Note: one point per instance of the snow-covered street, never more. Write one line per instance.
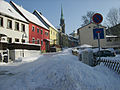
(56, 71)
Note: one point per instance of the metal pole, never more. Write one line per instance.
(98, 42)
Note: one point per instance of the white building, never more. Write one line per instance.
(14, 29)
(86, 35)
(12, 24)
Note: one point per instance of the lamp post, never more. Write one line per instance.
(24, 35)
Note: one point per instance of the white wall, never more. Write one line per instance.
(17, 53)
(86, 36)
(12, 33)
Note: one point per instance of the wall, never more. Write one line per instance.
(12, 33)
(17, 53)
(37, 35)
(86, 36)
(54, 36)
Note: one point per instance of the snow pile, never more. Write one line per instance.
(86, 46)
(61, 71)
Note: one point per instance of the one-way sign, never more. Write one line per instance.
(100, 31)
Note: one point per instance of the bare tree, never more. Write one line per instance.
(87, 18)
(113, 17)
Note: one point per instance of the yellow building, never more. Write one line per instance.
(54, 36)
(54, 33)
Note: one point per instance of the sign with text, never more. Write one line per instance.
(99, 31)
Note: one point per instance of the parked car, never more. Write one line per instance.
(104, 53)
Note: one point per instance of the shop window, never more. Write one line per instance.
(16, 40)
(33, 40)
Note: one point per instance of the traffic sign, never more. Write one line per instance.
(97, 18)
(99, 31)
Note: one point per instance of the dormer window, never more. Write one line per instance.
(10, 10)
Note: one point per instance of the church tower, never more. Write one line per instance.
(62, 23)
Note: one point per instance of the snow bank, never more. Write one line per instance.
(60, 71)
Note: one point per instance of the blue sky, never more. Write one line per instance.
(73, 10)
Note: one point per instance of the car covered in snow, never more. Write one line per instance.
(104, 53)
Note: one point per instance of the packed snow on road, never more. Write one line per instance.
(56, 71)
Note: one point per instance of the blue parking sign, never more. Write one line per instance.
(100, 31)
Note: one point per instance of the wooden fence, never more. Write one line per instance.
(112, 64)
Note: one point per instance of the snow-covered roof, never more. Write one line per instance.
(111, 36)
(8, 10)
(46, 20)
(31, 17)
(85, 46)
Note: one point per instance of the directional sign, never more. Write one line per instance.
(99, 31)
(97, 18)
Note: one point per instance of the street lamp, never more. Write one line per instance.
(24, 35)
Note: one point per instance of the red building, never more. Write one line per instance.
(38, 32)
(39, 35)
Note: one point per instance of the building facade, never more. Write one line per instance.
(86, 35)
(38, 32)
(73, 39)
(12, 25)
(14, 31)
(113, 37)
(54, 34)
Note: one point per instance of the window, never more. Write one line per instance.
(89, 27)
(41, 31)
(33, 40)
(46, 33)
(1, 21)
(22, 27)
(41, 42)
(38, 41)
(51, 31)
(9, 40)
(37, 30)
(16, 40)
(33, 28)
(16, 26)
(23, 41)
(108, 39)
(9, 24)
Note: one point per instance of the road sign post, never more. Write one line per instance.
(97, 18)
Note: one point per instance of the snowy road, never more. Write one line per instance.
(56, 71)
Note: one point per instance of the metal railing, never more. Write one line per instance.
(112, 64)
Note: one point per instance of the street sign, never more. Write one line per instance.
(99, 31)
(97, 18)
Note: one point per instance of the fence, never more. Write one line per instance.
(112, 64)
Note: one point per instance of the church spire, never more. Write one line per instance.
(62, 12)
(62, 23)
